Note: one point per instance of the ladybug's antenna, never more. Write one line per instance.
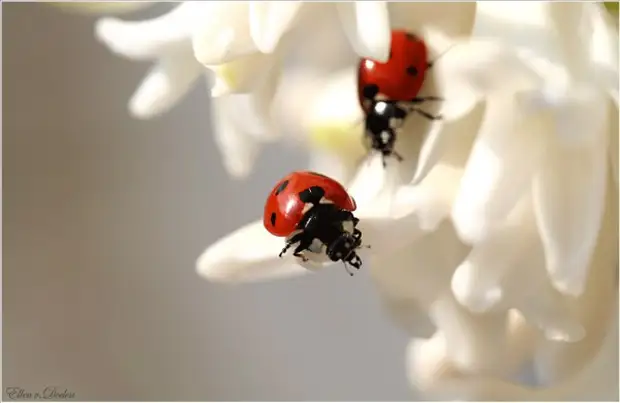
(429, 65)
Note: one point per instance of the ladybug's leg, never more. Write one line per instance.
(428, 115)
(355, 261)
(304, 244)
(419, 100)
(292, 241)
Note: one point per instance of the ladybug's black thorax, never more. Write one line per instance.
(382, 121)
(328, 223)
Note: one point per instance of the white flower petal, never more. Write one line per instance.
(255, 77)
(475, 68)
(573, 24)
(151, 38)
(224, 34)
(167, 82)
(430, 201)
(444, 137)
(398, 271)
(453, 19)
(241, 75)
(477, 282)
(580, 114)
(409, 315)
(269, 20)
(596, 307)
(328, 111)
(604, 48)
(569, 198)
(475, 343)
(248, 254)
(367, 24)
(432, 372)
(330, 164)
(504, 158)
(373, 185)
(518, 24)
(238, 148)
(614, 133)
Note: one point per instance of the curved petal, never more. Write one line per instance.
(519, 24)
(573, 24)
(256, 78)
(167, 82)
(508, 151)
(240, 75)
(472, 69)
(596, 307)
(453, 19)
(431, 371)
(477, 282)
(151, 38)
(569, 200)
(614, 133)
(431, 201)
(374, 185)
(331, 164)
(238, 148)
(367, 24)
(224, 33)
(604, 48)
(248, 254)
(444, 137)
(332, 117)
(580, 114)
(408, 314)
(269, 20)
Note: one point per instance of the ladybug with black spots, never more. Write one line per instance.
(388, 92)
(313, 211)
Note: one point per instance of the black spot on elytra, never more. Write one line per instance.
(281, 188)
(273, 219)
(410, 36)
(412, 71)
(390, 55)
(370, 91)
(312, 195)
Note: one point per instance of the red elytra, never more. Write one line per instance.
(402, 76)
(284, 209)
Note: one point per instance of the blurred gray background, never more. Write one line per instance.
(103, 218)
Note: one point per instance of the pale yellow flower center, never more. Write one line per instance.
(340, 138)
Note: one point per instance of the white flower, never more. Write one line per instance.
(244, 45)
(500, 214)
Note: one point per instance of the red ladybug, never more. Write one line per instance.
(307, 206)
(388, 92)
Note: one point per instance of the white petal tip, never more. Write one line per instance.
(142, 106)
(106, 28)
(470, 228)
(567, 334)
(238, 170)
(479, 301)
(249, 254)
(569, 288)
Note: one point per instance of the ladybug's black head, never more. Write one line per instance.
(370, 91)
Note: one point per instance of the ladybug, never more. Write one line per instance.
(388, 92)
(307, 207)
